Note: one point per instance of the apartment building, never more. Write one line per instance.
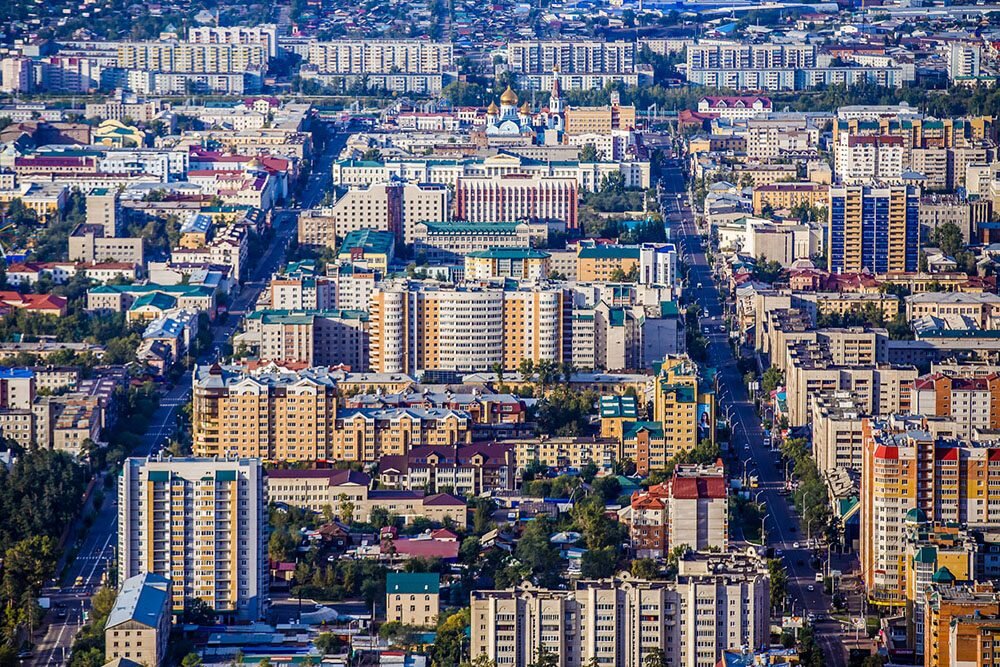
(413, 598)
(369, 249)
(718, 602)
(873, 228)
(773, 135)
(561, 452)
(468, 469)
(957, 620)
(836, 430)
(964, 61)
(177, 57)
(348, 494)
(104, 210)
(967, 310)
(684, 404)
(122, 298)
(311, 337)
(91, 244)
(201, 522)
(300, 288)
(393, 207)
(138, 627)
(451, 241)
(860, 159)
(917, 465)
(270, 414)
(690, 509)
(571, 57)
(602, 121)
(515, 263)
(265, 35)
(811, 366)
(423, 326)
(971, 403)
(381, 56)
(598, 263)
(303, 422)
(515, 197)
(779, 196)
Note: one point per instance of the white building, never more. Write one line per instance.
(718, 602)
(964, 60)
(265, 34)
(657, 264)
(202, 523)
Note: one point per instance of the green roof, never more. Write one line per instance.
(156, 300)
(372, 241)
(472, 227)
(278, 316)
(684, 393)
(412, 583)
(943, 576)
(610, 252)
(619, 406)
(178, 290)
(925, 555)
(509, 253)
(669, 309)
(616, 317)
(631, 429)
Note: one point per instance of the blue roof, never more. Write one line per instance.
(412, 583)
(142, 599)
(16, 373)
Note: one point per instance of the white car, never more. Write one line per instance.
(796, 545)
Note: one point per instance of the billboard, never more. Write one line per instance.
(704, 421)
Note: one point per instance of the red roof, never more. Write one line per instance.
(946, 454)
(424, 548)
(887, 452)
(49, 302)
(690, 488)
(729, 102)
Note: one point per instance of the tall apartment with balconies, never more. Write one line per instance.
(417, 326)
(874, 228)
(202, 523)
(718, 602)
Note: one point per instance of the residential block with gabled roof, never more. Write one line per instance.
(138, 626)
(412, 598)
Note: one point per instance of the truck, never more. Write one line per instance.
(754, 481)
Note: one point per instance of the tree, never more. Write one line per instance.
(772, 379)
(447, 647)
(280, 545)
(589, 153)
(346, 509)
(948, 237)
(537, 553)
(545, 658)
(608, 488)
(588, 472)
(654, 658)
(599, 563)
(645, 568)
(191, 660)
(198, 612)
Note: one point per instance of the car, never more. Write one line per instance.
(811, 618)
(810, 588)
(78, 582)
(778, 552)
(61, 613)
(795, 545)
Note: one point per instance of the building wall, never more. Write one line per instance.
(160, 530)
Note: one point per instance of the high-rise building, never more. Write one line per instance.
(417, 326)
(516, 197)
(959, 614)
(271, 414)
(915, 465)
(381, 56)
(202, 523)
(394, 207)
(718, 602)
(265, 35)
(972, 403)
(191, 58)
(277, 414)
(570, 57)
(964, 60)
(874, 228)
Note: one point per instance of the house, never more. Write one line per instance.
(43, 304)
(412, 599)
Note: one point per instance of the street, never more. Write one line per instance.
(782, 527)
(97, 549)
